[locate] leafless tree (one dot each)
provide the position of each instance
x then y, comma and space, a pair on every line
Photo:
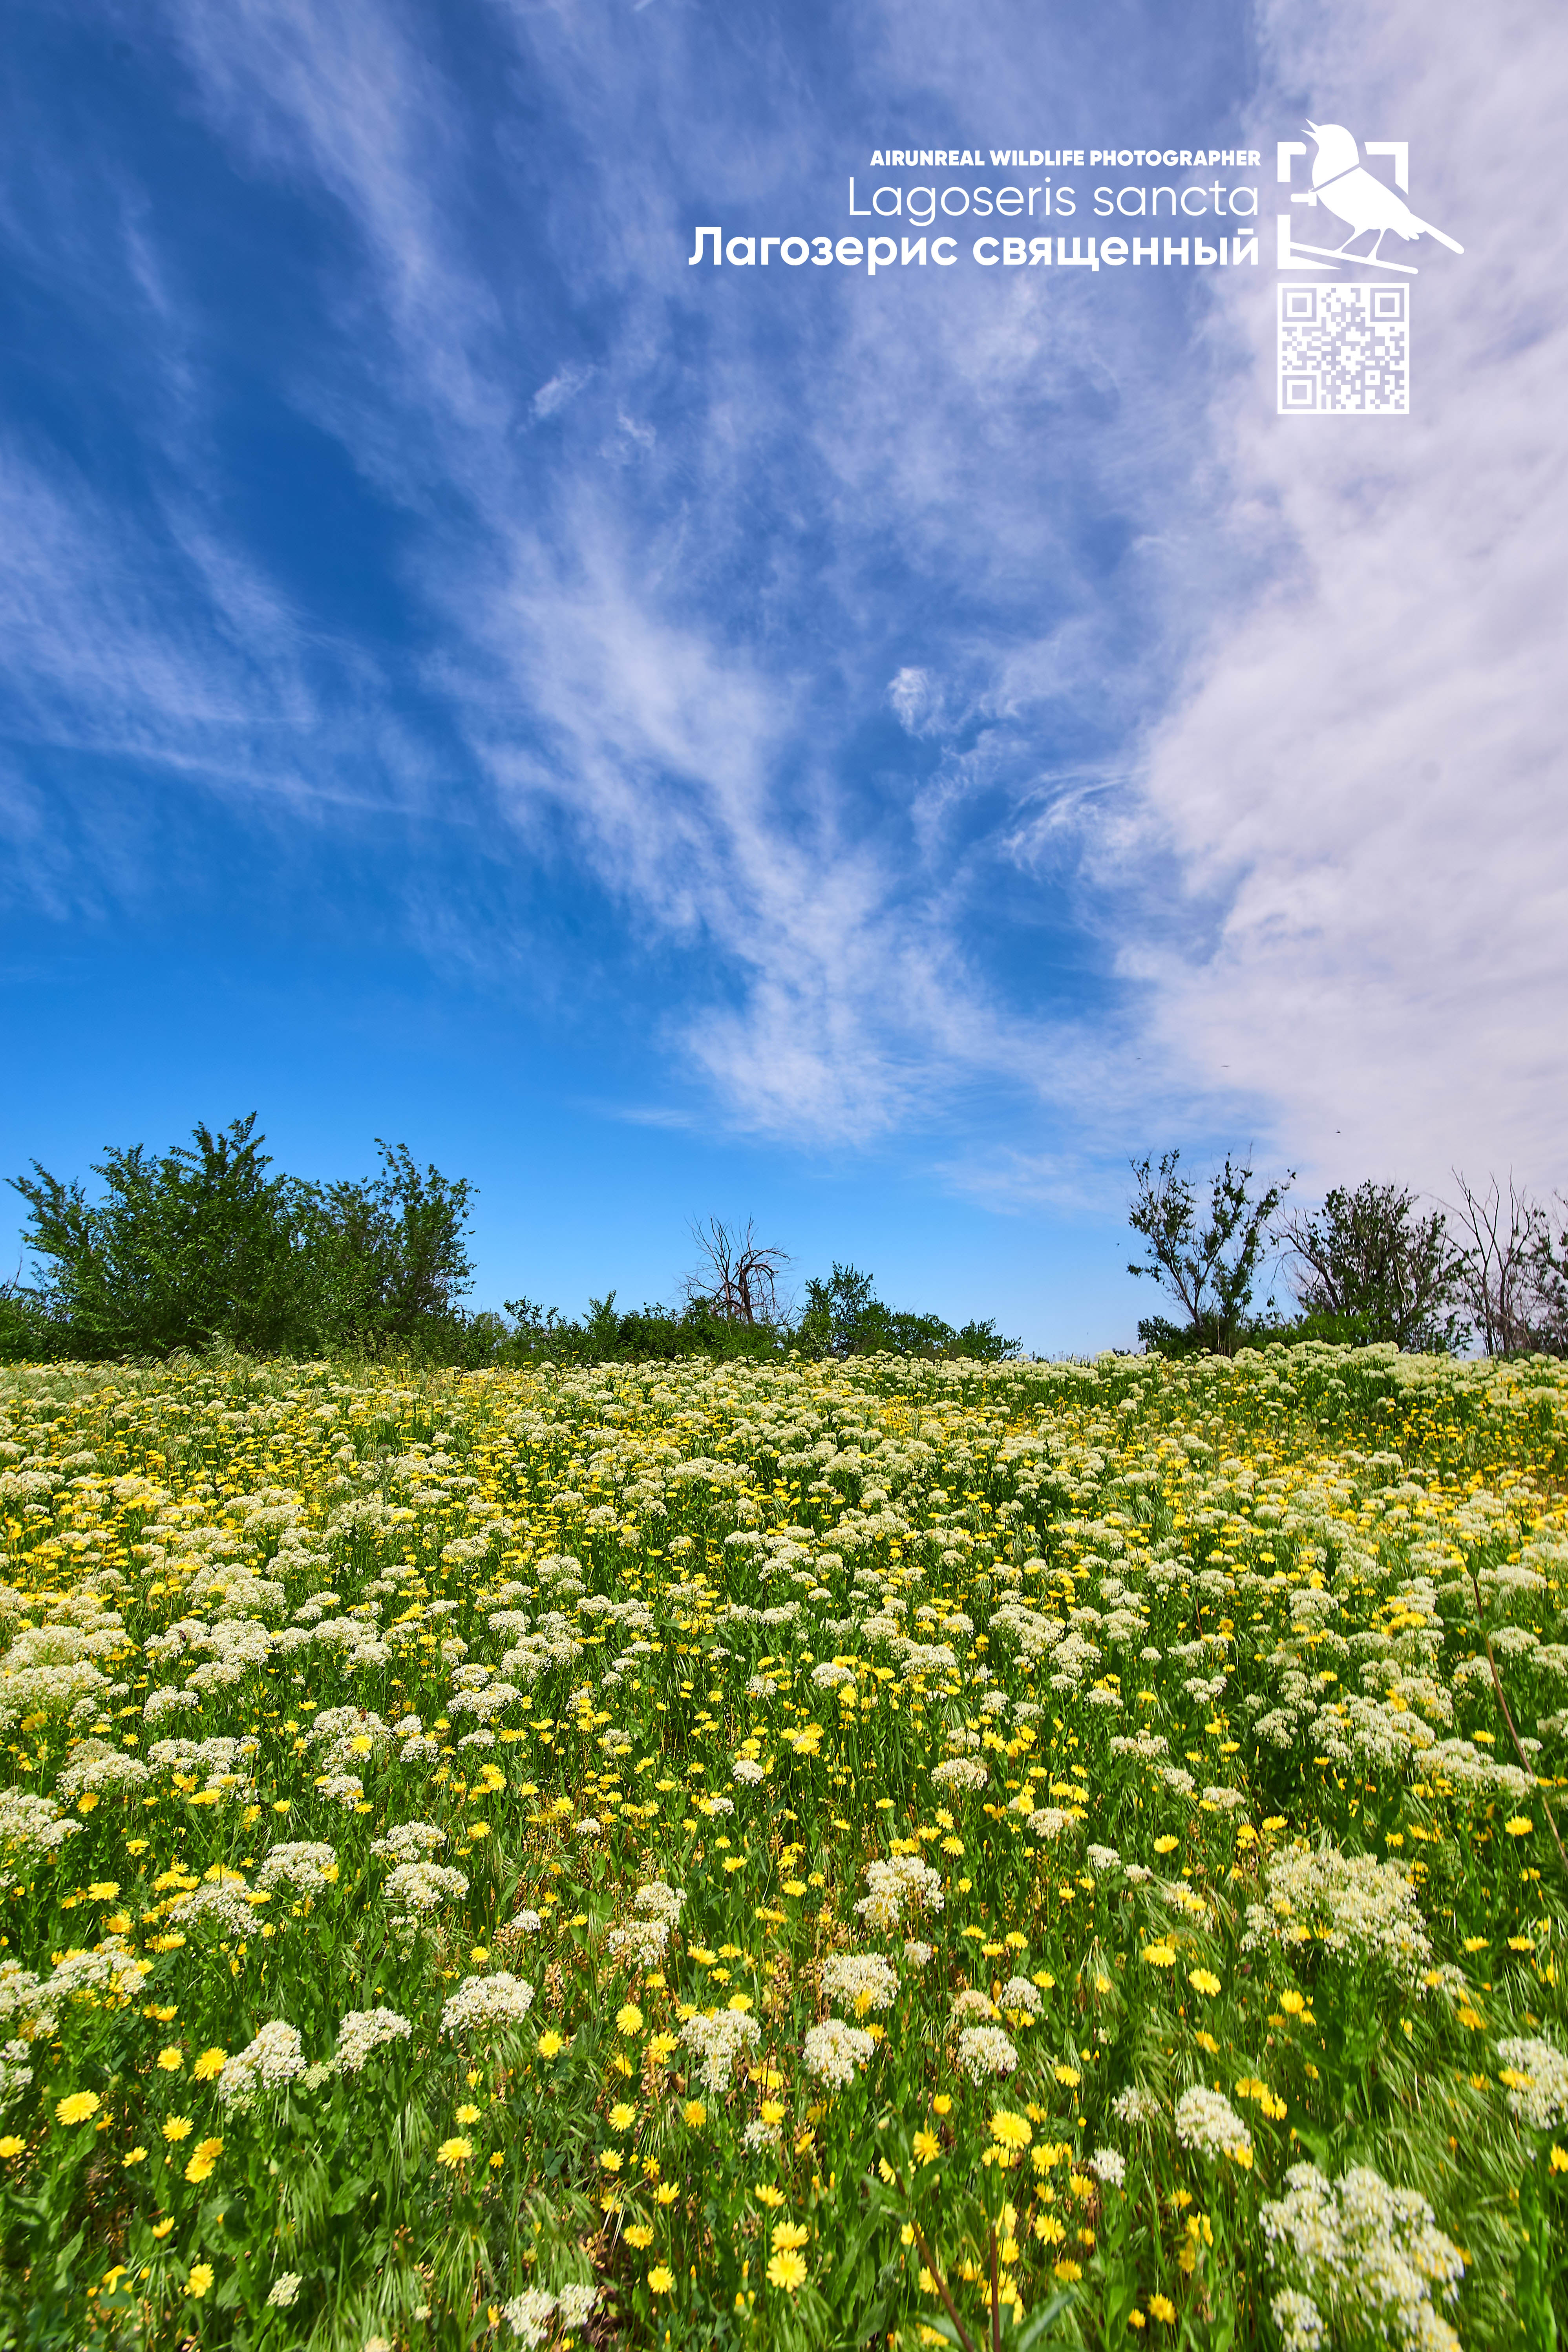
1514, 1259
738, 1277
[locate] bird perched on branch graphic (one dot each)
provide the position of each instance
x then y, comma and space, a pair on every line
1341, 182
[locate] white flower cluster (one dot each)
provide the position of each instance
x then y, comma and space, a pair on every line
865, 1979
1049, 1822
973, 2003
1207, 2122
409, 1842
904, 1880
306, 1868
14, 2071
225, 1903
529, 2315
1535, 2075
273, 2059
1107, 2168
918, 1954
960, 1772
1362, 2252
105, 1768
499, 2001
30, 1824
1019, 1994
656, 1908
833, 2050
719, 2041
364, 2031
422, 1887
1135, 2106
985, 2049
1351, 1905
747, 1771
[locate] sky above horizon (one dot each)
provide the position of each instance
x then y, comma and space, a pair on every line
872, 754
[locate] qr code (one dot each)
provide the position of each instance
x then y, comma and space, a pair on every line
1344, 351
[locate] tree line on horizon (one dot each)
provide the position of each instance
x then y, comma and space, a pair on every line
203, 1247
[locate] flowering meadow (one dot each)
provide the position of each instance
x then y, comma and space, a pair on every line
808, 1854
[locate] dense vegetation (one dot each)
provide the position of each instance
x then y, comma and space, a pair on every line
850, 1852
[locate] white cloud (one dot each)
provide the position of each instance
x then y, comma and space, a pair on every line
1366, 769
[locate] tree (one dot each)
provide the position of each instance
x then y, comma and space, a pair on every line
1377, 1270
182, 1250
1211, 1273
844, 1317
385, 1261
737, 1278
1513, 1267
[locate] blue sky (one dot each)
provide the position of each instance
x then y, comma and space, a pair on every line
867, 753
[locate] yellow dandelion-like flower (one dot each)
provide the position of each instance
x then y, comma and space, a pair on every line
171, 2059
639, 2236
622, 2116
1520, 1826
629, 2019
787, 2270
551, 2044
1010, 2130
661, 2279
1070, 2076
695, 2114
162, 2229
928, 2148
11, 2146
1160, 1956
178, 2128
454, 2151
666, 2193
1202, 1980
134, 2155
210, 2065
787, 2235
200, 2281
1161, 2308
467, 2114
768, 2195
1069, 2273
942, 2104
76, 2106
1293, 2002
103, 1890
1559, 2159
204, 2163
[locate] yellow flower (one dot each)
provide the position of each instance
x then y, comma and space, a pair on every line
639, 2236
1202, 1980
103, 1890
787, 2235
629, 2019
11, 2146
928, 2148
204, 2163
76, 2107
1068, 2272
550, 2045
1559, 2159
1161, 2307
467, 2114
200, 2280
1206, 2042
1070, 2076
210, 2065
660, 2279
1293, 2002
1010, 2130
178, 2128
768, 2195
942, 2104
788, 2271
1135, 2318
1160, 1956
162, 2229
622, 2116
1165, 1844
695, 2114
1520, 1826
454, 2151
611, 2158
171, 2059
134, 2155
666, 2193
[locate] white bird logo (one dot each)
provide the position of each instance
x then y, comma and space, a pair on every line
1342, 182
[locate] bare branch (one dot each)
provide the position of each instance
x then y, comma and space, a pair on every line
739, 1275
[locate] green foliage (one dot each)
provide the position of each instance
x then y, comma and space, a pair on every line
1211, 1270
1371, 1268
842, 1317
